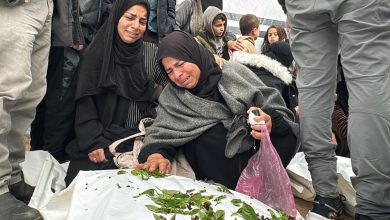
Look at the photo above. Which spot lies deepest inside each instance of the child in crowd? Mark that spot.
(274, 33)
(270, 66)
(212, 36)
(250, 31)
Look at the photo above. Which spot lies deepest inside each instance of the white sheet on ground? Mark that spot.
(302, 186)
(107, 195)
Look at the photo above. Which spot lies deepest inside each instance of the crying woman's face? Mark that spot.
(184, 74)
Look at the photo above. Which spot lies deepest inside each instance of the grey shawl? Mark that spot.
(182, 117)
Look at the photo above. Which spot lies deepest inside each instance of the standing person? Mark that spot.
(53, 122)
(360, 30)
(162, 18)
(340, 114)
(208, 3)
(24, 48)
(189, 16)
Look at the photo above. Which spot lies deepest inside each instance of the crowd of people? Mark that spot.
(84, 73)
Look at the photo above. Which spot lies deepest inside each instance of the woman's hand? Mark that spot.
(155, 162)
(97, 156)
(256, 129)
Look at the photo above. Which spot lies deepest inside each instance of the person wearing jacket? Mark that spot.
(161, 19)
(189, 18)
(272, 69)
(203, 113)
(74, 25)
(250, 31)
(359, 31)
(51, 128)
(212, 35)
(24, 48)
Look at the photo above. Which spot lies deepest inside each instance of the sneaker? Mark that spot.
(13, 209)
(329, 208)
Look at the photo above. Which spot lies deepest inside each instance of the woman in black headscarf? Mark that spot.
(114, 91)
(203, 113)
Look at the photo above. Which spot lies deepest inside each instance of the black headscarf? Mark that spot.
(281, 52)
(182, 46)
(109, 64)
(216, 3)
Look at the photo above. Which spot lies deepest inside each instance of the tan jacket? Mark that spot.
(249, 44)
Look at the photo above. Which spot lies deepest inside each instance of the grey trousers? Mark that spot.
(24, 48)
(360, 29)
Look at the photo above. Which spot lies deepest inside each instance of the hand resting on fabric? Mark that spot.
(155, 162)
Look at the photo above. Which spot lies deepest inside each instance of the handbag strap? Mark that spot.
(113, 146)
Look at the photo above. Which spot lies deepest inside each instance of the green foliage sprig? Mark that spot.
(192, 203)
(248, 213)
(145, 174)
(222, 188)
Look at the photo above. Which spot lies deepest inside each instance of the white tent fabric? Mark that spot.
(107, 195)
(302, 186)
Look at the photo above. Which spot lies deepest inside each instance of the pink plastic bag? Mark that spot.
(265, 178)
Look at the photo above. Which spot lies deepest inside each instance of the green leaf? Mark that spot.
(153, 208)
(145, 174)
(120, 172)
(170, 192)
(247, 212)
(274, 216)
(223, 188)
(176, 202)
(159, 217)
(194, 211)
(236, 202)
(219, 215)
(219, 198)
(136, 172)
(149, 192)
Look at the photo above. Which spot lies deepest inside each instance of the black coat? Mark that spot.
(272, 73)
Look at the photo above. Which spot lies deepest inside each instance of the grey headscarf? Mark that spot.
(208, 17)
